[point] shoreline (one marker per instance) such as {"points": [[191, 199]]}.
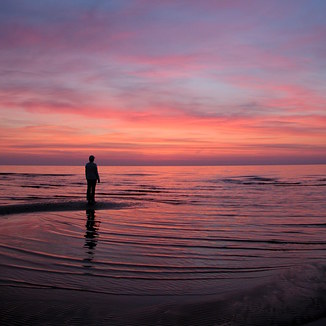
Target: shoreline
{"points": [[59, 206]]}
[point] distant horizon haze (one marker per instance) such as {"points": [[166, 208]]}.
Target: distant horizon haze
{"points": [[181, 162]]}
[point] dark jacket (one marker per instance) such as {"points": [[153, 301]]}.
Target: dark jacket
{"points": [[91, 171]]}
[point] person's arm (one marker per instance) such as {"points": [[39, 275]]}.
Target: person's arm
{"points": [[97, 175], [85, 171]]}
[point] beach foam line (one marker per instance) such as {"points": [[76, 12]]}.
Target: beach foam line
{"points": [[58, 206]]}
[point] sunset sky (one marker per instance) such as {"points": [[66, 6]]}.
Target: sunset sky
{"points": [[163, 82]]}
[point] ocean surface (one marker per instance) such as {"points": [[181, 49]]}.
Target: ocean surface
{"points": [[208, 233]]}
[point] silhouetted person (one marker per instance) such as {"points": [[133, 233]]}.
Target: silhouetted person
{"points": [[91, 177]]}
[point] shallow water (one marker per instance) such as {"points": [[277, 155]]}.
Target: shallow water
{"points": [[171, 231]]}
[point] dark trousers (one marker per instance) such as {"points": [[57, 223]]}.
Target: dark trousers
{"points": [[91, 190]]}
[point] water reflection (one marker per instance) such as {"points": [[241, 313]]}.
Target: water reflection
{"points": [[91, 236]]}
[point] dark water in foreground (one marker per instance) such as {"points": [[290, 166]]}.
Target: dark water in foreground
{"points": [[202, 232]]}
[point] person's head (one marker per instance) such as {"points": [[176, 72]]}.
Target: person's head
{"points": [[91, 158]]}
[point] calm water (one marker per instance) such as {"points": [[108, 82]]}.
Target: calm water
{"points": [[195, 231]]}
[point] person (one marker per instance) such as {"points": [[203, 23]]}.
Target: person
{"points": [[92, 176]]}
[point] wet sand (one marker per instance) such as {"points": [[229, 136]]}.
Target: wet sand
{"points": [[28, 306], [320, 322], [40, 286]]}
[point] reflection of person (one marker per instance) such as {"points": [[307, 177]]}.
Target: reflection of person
{"points": [[91, 176], [91, 237], [91, 229]]}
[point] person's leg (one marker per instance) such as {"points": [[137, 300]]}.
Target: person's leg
{"points": [[93, 190], [89, 190]]}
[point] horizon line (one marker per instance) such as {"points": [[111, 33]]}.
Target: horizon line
{"points": [[163, 165]]}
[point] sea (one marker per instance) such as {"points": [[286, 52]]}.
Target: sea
{"points": [[240, 245]]}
